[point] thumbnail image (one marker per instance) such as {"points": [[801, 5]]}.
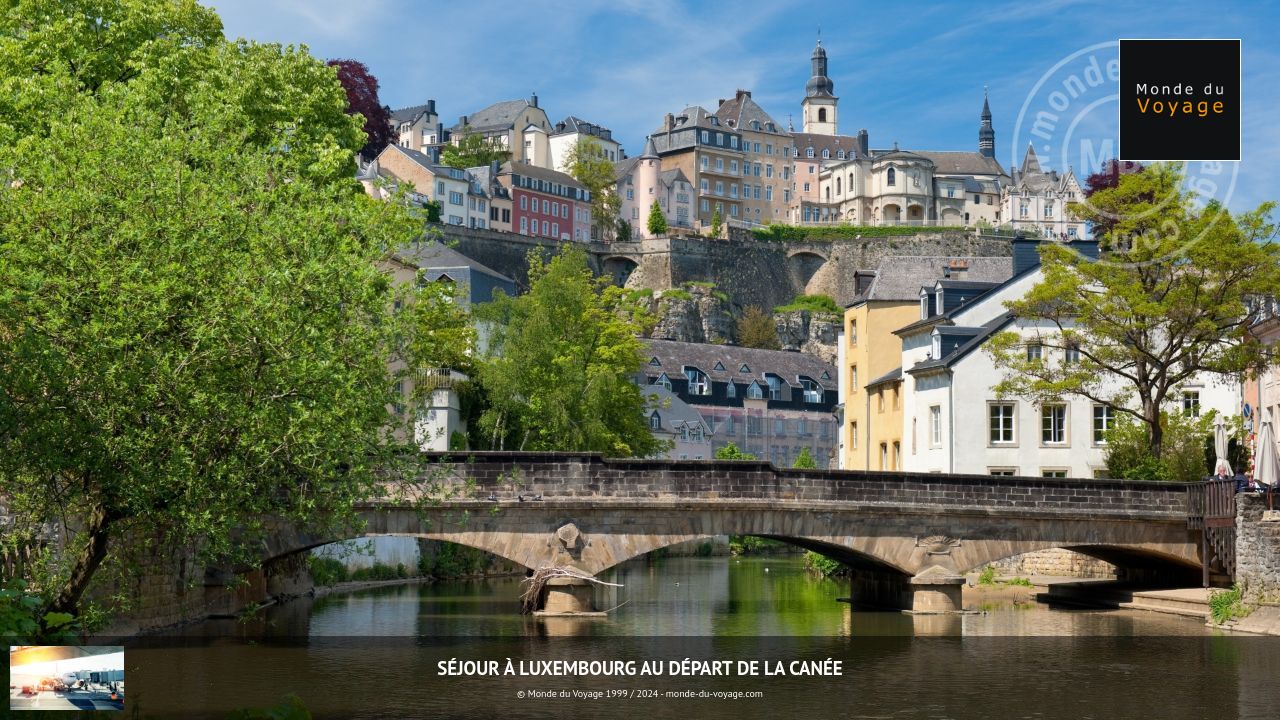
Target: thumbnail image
{"points": [[66, 677]]}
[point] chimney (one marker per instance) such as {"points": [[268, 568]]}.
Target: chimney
{"points": [[957, 269], [671, 121], [1087, 248], [864, 142], [533, 99], [741, 92], [431, 107], [462, 121], [494, 166]]}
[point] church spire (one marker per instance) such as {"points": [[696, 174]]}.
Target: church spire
{"points": [[986, 133]]}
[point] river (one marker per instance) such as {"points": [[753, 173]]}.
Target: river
{"points": [[376, 654]]}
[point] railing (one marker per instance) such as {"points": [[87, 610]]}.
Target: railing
{"points": [[1211, 509]]}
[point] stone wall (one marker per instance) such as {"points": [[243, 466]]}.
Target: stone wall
{"points": [[809, 332], [1257, 548], [1057, 562]]}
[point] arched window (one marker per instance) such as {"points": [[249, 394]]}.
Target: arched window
{"points": [[837, 186], [893, 177], [850, 182], [698, 382], [822, 114]]}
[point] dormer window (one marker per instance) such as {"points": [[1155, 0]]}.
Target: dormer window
{"points": [[924, 305], [826, 154], [698, 382], [812, 390], [754, 391], [808, 153], [655, 421], [663, 380], [937, 346], [937, 300]]}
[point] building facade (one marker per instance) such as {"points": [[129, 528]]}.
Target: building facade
{"points": [[641, 181], [546, 203], [1036, 201], [462, 201], [566, 134], [418, 128], [767, 150], [770, 403], [673, 420], [710, 155], [518, 126]]}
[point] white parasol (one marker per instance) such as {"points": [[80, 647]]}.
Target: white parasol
{"points": [[1221, 464]]}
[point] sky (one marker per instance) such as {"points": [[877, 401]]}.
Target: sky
{"points": [[910, 73]]}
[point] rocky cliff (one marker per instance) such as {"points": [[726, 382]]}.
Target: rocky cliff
{"points": [[809, 332]]}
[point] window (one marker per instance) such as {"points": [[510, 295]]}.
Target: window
{"points": [[698, 383], [524, 225], [706, 136], [806, 187], [893, 177], [951, 191], [720, 164], [719, 187], [546, 227], [440, 187], [1191, 403], [733, 211], [663, 381], [733, 166], [1104, 418], [1053, 473], [1001, 423], [730, 390], [754, 391], [706, 163], [655, 422], [897, 455], [1072, 353], [546, 207], [1002, 471], [880, 400], [935, 426], [775, 386], [779, 428], [826, 154], [1034, 351], [1053, 424], [809, 153], [812, 390], [884, 456], [706, 206], [455, 198], [853, 333], [1048, 208], [822, 114], [853, 434]]}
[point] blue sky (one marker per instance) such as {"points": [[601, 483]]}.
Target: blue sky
{"points": [[911, 73]]}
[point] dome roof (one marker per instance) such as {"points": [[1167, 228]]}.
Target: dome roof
{"points": [[819, 86]]}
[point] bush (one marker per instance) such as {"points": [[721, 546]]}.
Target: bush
{"points": [[378, 571], [987, 576], [812, 303], [326, 570], [731, 452], [824, 565], [752, 545], [452, 561], [1182, 453], [677, 294]]}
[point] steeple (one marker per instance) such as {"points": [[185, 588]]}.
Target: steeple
{"points": [[986, 133], [819, 85], [649, 150], [819, 104]]}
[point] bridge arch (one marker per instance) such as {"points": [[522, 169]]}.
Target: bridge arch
{"points": [[618, 268], [802, 265]]}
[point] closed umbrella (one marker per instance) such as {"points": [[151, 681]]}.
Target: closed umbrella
{"points": [[1266, 469], [1221, 466]]}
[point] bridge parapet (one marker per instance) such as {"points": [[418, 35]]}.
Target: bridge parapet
{"points": [[586, 476]]}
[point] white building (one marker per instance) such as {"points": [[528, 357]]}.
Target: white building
{"points": [[953, 421], [1036, 200], [570, 130], [518, 126]]}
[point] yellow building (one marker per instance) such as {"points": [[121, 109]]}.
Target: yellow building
{"points": [[871, 374]]}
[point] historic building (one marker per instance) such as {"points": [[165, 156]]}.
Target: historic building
{"points": [[418, 128], [766, 166], [486, 179], [570, 130], [948, 380], [769, 403], [518, 126], [641, 181], [675, 421], [461, 200], [871, 355], [709, 153], [546, 203], [1036, 200]]}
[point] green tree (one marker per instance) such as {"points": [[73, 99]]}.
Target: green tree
{"points": [[1182, 457], [623, 231], [472, 150], [716, 223], [441, 331], [562, 360], [757, 330], [657, 221], [731, 452], [193, 332], [805, 460], [1166, 303], [586, 162]]}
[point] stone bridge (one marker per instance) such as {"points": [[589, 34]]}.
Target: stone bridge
{"points": [[909, 537]]}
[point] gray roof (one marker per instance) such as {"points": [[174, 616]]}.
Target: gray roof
{"points": [[832, 143], [624, 167], [978, 335], [673, 356], [947, 162], [901, 277], [574, 124], [533, 171], [409, 114], [741, 111], [436, 255], [498, 116], [672, 411], [894, 374], [1031, 177], [694, 115], [670, 177]]}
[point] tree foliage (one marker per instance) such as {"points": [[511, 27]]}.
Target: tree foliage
{"points": [[805, 460], [193, 332], [1183, 455], [756, 329], [1166, 303], [362, 98], [731, 452], [716, 223], [563, 356], [657, 220], [586, 162], [473, 150]]}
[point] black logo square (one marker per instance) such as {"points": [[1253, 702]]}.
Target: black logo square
{"points": [[1180, 100]]}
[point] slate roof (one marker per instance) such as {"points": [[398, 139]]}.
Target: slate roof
{"points": [[833, 143], [408, 114], [670, 177], [573, 124], [894, 374], [624, 167], [978, 334], [901, 277], [437, 255], [740, 111], [672, 411], [498, 116], [533, 171], [673, 356], [948, 162], [695, 115], [1031, 177]]}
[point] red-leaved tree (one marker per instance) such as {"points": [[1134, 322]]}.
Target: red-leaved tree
{"points": [[362, 97], [1107, 177]]}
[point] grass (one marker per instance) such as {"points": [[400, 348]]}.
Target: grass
{"points": [[1227, 605], [677, 294], [812, 303]]}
